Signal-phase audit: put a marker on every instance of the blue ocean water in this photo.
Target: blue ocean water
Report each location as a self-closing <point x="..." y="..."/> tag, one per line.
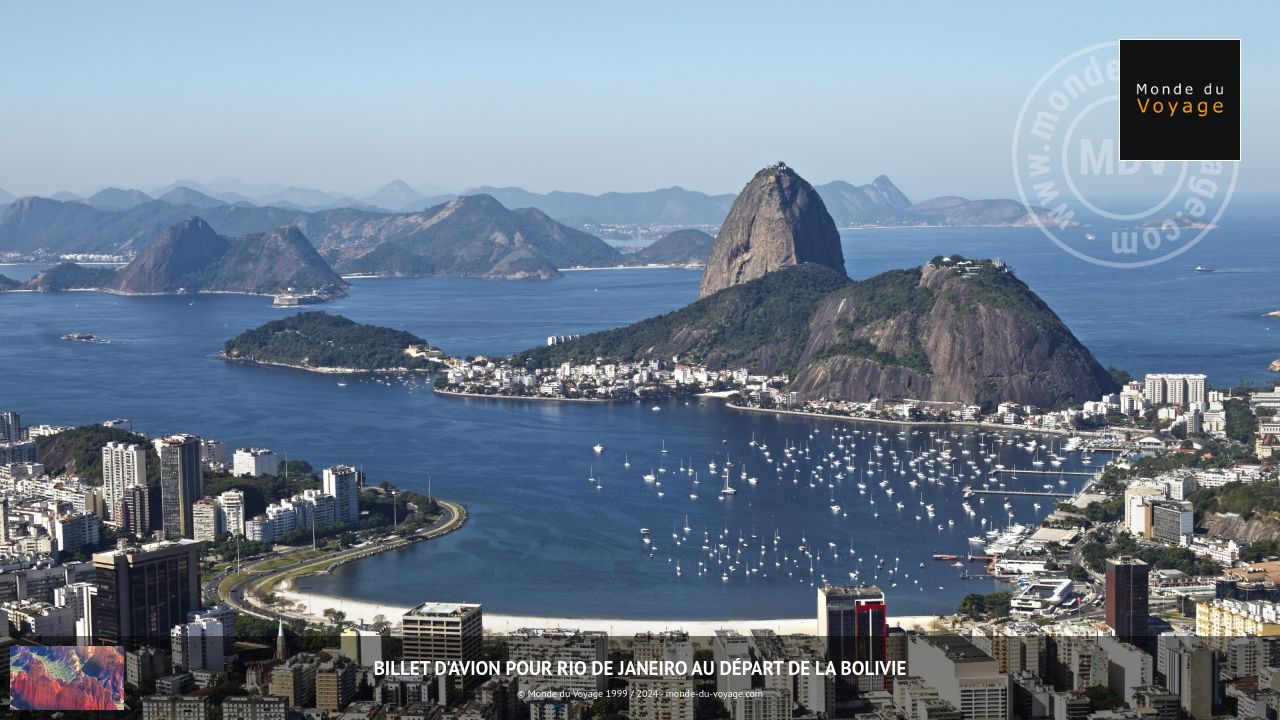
<point x="542" y="540"/>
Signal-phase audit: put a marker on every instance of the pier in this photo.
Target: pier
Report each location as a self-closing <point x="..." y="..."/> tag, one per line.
<point x="1027" y="493"/>
<point x="1055" y="473"/>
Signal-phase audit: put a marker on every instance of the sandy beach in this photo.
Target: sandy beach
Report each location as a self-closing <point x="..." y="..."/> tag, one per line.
<point x="359" y="611"/>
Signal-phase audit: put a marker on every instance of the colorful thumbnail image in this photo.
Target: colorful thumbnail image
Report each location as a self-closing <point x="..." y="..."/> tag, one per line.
<point x="67" y="677"/>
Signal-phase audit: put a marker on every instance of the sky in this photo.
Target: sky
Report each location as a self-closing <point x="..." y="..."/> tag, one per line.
<point x="589" y="97"/>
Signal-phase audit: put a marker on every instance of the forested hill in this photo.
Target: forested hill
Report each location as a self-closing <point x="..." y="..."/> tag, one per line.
<point x="320" y="341"/>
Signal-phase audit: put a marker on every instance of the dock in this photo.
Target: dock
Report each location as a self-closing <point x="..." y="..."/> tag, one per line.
<point x="1026" y="493"/>
<point x="1073" y="473"/>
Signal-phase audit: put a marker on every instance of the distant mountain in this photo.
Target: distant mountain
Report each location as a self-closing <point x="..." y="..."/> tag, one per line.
<point x="956" y="211"/>
<point x="300" y="198"/>
<point x="33" y="224"/>
<point x="427" y="189"/>
<point x="190" y="256"/>
<point x="778" y="220"/>
<point x="681" y="247"/>
<point x="475" y="235"/>
<point x="70" y="276"/>
<point x="117" y="199"/>
<point x="668" y="206"/>
<point x="852" y="203"/>
<point x="882" y="203"/>
<point x="65" y="196"/>
<point x="387" y="259"/>
<point x="7" y="284"/>
<point x="185" y="196"/>
<point x="396" y="196"/>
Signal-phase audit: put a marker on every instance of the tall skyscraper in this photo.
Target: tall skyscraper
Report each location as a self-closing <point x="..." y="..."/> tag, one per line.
<point x="10" y="426"/>
<point x="124" y="465"/>
<point x="1127" y="588"/>
<point x="144" y="591"/>
<point x="181" y="483"/>
<point x="853" y="622"/>
<point x="340" y="482"/>
<point x="135" y="510"/>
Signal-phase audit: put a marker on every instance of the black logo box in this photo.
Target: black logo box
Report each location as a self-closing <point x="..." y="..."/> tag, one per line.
<point x="1186" y="65"/>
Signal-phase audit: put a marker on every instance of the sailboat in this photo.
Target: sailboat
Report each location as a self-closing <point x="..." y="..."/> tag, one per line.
<point x="626" y="461"/>
<point x="727" y="489"/>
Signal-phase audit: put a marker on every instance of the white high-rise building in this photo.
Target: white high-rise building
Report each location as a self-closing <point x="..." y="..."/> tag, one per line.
<point x="252" y="462"/>
<point x="124" y="465"/>
<point x="340" y="481"/>
<point x="232" y="504"/>
<point x="207" y="519"/>
<point x="1180" y="389"/>
<point x="199" y="645"/>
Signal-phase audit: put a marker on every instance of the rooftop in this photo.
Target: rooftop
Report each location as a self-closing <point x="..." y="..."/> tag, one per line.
<point x="956" y="648"/>
<point x="442" y="609"/>
<point x="870" y="592"/>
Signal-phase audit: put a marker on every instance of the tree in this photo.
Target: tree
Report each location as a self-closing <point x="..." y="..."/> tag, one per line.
<point x="335" y="616"/>
<point x="1103" y="698"/>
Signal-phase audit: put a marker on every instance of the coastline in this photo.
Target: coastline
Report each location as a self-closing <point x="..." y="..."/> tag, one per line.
<point x="363" y="611"/>
<point x="539" y="398"/>
<point x="918" y="423"/>
<point x="125" y="293"/>
<point x="659" y="266"/>
<point x="322" y="370"/>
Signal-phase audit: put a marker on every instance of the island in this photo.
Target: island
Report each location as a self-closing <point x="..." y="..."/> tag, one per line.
<point x="319" y="342"/>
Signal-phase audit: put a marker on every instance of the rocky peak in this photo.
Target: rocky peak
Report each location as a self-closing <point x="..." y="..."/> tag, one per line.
<point x="889" y="193"/>
<point x="178" y="251"/>
<point x="777" y="221"/>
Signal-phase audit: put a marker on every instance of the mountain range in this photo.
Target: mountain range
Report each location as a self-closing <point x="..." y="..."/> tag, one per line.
<point x="775" y="298"/>
<point x="472" y="235"/>
<point x="877" y="203"/>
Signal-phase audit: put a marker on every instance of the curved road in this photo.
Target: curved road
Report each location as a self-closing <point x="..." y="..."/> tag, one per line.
<point x="236" y="594"/>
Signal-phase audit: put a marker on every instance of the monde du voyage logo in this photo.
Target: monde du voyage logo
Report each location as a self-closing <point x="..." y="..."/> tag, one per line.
<point x="1125" y="152"/>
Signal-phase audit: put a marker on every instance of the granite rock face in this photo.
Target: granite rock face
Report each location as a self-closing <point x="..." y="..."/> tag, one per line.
<point x="777" y="221"/>
<point x="970" y="333"/>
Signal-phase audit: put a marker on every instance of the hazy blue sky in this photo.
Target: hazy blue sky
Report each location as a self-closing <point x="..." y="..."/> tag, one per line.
<point x="591" y="96"/>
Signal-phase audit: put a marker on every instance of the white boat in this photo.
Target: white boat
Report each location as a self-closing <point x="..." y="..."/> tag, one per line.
<point x="598" y="448"/>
